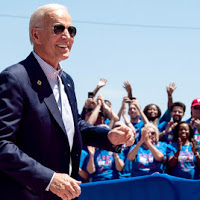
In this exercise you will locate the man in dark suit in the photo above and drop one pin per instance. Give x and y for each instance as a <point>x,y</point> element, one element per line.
<point>40,135</point>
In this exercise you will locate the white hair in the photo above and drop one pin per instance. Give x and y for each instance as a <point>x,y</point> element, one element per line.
<point>153,126</point>
<point>37,18</point>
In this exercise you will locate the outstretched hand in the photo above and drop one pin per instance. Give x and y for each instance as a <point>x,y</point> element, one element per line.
<point>121,135</point>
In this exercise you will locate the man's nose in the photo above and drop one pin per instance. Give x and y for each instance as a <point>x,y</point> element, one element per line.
<point>66,33</point>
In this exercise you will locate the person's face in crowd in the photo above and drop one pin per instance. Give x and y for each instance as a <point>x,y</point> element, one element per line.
<point>177,113</point>
<point>152,112</point>
<point>133,111</point>
<point>55,48</point>
<point>152,135</point>
<point>195,112</point>
<point>184,131</point>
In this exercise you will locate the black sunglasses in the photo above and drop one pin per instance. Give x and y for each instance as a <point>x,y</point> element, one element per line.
<point>59,28</point>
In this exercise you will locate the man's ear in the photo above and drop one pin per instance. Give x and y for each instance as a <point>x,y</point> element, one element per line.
<point>35,36</point>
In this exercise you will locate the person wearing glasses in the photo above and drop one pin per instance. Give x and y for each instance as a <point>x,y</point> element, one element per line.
<point>148,155</point>
<point>194,120</point>
<point>41,134</point>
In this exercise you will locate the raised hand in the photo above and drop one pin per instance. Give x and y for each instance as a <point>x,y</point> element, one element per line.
<point>128,88</point>
<point>102,82</point>
<point>170,126</point>
<point>90,102</point>
<point>91,150</point>
<point>196,124</point>
<point>171,88</point>
<point>180,143</point>
<point>193,146</point>
<point>145,136</point>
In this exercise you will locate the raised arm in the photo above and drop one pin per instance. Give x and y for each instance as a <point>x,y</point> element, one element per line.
<point>170,90</point>
<point>100,84</point>
<point>126,120</point>
<point>143,116</point>
<point>155,152</point>
<point>133,152</point>
<point>93,117</point>
<point>125,100</point>
<point>174,159</point>
<point>128,88</point>
<point>91,166</point>
<point>119,163</point>
<point>194,146</point>
<point>169,128</point>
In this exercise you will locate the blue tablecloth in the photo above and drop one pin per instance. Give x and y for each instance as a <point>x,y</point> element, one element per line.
<point>152,187</point>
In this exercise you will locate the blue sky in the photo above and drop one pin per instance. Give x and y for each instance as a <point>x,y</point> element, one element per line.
<point>140,41</point>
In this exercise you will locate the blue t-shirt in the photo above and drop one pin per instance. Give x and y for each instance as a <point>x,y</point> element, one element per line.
<point>186,165</point>
<point>166,116</point>
<point>168,137</point>
<point>126,172</point>
<point>83,164</point>
<point>196,133</point>
<point>104,162</point>
<point>162,126</point>
<point>144,162</point>
<point>138,126</point>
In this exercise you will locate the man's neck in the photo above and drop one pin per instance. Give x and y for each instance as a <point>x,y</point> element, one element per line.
<point>135,120</point>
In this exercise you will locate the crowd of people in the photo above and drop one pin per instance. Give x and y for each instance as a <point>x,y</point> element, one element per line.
<point>163,143</point>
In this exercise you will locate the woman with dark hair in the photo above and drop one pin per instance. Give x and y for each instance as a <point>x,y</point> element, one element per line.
<point>153,112</point>
<point>183,155</point>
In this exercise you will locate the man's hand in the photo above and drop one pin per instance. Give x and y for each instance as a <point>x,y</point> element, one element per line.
<point>91,150</point>
<point>128,88</point>
<point>145,136</point>
<point>65,187</point>
<point>171,88</point>
<point>170,126</point>
<point>121,135</point>
<point>90,103</point>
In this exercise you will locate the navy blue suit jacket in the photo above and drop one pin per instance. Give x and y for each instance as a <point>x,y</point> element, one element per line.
<point>33,141</point>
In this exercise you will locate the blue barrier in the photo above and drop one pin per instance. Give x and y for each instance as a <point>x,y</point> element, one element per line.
<point>151,187</point>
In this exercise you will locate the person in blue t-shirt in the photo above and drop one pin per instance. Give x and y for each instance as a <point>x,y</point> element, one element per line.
<point>103,165</point>
<point>177,111</point>
<point>183,155</point>
<point>148,154</point>
<point>82,173</point>
<point>194,120</point>
<point>127,170</point>
<point>135,122</point>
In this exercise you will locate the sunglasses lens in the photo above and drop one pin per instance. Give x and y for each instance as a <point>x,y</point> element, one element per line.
<point>58,29</point>
<point>72,31</point>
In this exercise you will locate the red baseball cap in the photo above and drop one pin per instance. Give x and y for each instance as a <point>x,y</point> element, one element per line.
<point>196,102</point>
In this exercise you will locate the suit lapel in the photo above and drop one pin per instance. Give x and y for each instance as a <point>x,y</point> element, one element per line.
<point>40,83</point>
<point>71,97</point>
<point>69,91</point>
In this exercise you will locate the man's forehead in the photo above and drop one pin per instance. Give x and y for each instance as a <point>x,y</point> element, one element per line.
<point>177,108</point>
<point>56,15</point>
